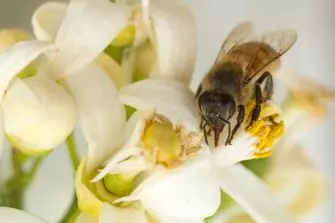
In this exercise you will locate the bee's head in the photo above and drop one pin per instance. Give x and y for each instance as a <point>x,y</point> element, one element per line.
<point>217,109</point>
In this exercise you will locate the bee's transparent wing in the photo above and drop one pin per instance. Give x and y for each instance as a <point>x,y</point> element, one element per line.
<point>241,33</point>
<point>281,41</point>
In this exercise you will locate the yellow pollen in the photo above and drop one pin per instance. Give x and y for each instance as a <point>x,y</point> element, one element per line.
<point>267,129</point>
<point>162,142</point>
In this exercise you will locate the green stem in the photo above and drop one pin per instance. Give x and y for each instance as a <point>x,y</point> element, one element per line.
<point>72,212</point>
<point>13,191</point>
<point>72,149</point>
<point>35,167</point>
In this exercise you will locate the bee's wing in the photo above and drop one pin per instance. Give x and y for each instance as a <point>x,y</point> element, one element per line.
<point>281,41</point>
<point>238,35</point>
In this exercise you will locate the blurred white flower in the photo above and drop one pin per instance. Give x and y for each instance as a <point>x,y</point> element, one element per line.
<point>291,174</point>
<point>11,215</point>
<point>177,102</point>
<point>47,112</point>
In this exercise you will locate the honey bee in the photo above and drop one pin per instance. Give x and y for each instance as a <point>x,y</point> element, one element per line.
<point>241,73</point>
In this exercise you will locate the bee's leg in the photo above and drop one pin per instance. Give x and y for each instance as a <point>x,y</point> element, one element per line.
<point>258,95</point>
<point>240,119</point>
<point>229,131</point>
<point>209,132</point>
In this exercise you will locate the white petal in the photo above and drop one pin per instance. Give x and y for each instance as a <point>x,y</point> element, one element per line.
<point>132,134</point>
<point>111,213</point>
<point>130,166</point>
<point>120,155</point>
<point>134,126</point>
<point>38,113</point>
<point>101,115</point>
<point>240,150</point>
<point>11,215</point>
<point>13,60</point>
<point>187,192</point>
<point>112,68</point>
<point>89,26</point>
<point>163,219</point>
<point>170,97</point>
<point>175,38</point>
<point>47,19</point>
<point>252,194</point>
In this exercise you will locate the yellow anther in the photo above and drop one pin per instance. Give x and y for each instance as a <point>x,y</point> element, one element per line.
<point>267,129</point>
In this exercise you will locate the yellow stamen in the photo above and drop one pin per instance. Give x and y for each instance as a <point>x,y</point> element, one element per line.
<point>267,129</point>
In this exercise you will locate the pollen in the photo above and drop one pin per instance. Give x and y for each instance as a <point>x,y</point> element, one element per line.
<point>166,144</point>
<point>267,129</point>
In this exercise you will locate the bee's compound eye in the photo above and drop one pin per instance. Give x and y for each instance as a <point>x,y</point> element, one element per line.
<point>229,105</point>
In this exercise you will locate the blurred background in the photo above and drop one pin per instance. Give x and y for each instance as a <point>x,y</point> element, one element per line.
<point>313,55</point>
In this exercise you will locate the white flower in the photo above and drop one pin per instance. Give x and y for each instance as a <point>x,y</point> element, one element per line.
<point>177,102</point>
<point>177,181</point>
<point>161,37</point>
<point>47,114</point>
<point>11,215</point>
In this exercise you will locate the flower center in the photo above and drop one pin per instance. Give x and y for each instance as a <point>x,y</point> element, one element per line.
<point>162,142</point>
<point>267,129</point>
<point>166,144</point>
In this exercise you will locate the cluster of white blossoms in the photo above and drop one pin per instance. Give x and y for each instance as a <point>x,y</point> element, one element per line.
<point>93,62</point>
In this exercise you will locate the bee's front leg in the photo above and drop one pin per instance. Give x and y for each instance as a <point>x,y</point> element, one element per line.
<point>240,119</point>
<point>259,96</point>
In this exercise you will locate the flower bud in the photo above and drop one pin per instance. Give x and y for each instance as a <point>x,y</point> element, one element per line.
<point>38,115</point>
